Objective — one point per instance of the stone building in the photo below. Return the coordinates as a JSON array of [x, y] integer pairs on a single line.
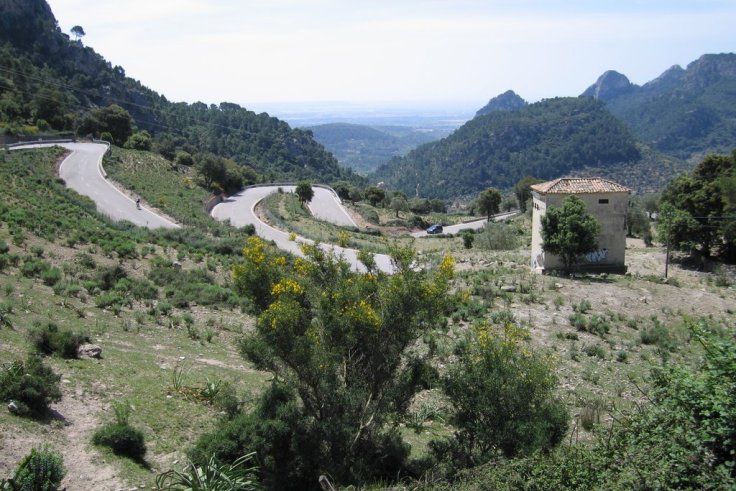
[[605, 200]]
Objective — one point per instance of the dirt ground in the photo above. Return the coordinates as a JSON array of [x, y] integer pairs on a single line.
[[70, 431]]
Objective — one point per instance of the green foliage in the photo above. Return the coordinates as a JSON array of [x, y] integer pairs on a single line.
[[46, 73], [468, 238], [399, 203], [49, 339], [570, 231], [684, 112], [41, 470], [365, 148], [697, 215], [503, 399], [212, 476], [31, 384], [683, 439], [375, 195], [140, 140], [523, 191], [120, 436], [546, 139], [304, 191], [498, 236], [489, 202], [338, 344]]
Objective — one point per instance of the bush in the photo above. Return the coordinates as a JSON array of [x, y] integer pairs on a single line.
[[51, 276], [31, 384], [503, 400], [49, 339], [41, 470], [120, 437], [468, 239], [497, 236]]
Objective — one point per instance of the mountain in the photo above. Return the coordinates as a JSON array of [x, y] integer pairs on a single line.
[[365, 148], [508, 101], [50, 82], [683, 112], [548, 139], [609, 86]]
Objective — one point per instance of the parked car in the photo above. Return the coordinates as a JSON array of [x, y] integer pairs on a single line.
[[435, 229]]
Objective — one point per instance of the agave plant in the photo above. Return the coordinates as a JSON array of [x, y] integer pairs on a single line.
[[211, 477]]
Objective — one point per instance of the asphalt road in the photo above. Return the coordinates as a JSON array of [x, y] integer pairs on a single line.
[[240, 210], [475, 225], [82, 172]]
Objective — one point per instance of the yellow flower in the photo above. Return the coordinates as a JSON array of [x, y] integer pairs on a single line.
[[254, 250], [280, 261], [447, 266], [292, 236], [287, 286]]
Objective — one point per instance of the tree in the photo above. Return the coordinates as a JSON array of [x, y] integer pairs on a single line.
[[569, 232], [342, 347], [304, 191], [696, 216], [115, 120], [637, 222], [399, 203], [211, 167], [375, 195], [140, 140], [523, 191], [78, 32], [489, 202]]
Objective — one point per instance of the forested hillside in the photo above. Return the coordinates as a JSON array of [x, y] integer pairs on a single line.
[[365, 148], [548, 139], [51, 82], [683, 111]]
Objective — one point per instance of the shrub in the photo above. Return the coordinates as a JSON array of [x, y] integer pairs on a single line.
[[50, 339], [583, 307], [497, 237], [31, 384], [503, 400], [120, 437], [41, 470], [468, 239], [4, 248], [212, 475], [51, 276], [595, 350]]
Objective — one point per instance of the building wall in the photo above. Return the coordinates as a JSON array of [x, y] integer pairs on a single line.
[[610, 211]]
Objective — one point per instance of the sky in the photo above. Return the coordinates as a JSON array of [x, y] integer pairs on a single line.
[[261, 52]]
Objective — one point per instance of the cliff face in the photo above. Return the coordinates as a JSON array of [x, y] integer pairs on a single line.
[[609, 86]]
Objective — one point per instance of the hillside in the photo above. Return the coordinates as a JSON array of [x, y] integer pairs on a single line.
[[547, 139], [365, 148], [49, 82], [508, 101], [681, 112]]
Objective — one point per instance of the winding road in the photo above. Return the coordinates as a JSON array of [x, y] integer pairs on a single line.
[[82, 171], [239, 209]]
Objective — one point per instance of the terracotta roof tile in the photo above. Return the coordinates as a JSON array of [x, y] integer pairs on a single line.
[[579, 185]]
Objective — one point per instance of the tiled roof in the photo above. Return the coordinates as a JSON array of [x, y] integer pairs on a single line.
[[579, 185]]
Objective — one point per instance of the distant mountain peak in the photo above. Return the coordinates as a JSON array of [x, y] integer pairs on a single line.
[[508, 101], [609, 86], [710, 68]]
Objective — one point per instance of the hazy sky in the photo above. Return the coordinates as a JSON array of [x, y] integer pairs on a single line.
[[259, 51]]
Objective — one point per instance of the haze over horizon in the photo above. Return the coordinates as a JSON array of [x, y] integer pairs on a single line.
[[435, 53]]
